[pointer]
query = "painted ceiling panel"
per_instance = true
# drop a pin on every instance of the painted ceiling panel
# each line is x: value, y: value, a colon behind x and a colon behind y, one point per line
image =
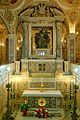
x: 72, y: 1
x: 8, y: 1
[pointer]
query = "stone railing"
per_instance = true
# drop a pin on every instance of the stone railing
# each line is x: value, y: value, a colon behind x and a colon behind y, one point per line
x: 5, y: 75
x: 6, y: 69
x: 75, y: 70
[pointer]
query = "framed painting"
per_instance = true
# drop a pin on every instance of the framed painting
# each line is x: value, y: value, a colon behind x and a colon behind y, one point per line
x: 41, y: 40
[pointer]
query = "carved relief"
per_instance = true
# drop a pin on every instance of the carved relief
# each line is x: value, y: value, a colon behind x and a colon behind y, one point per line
x: 72, y: 50
x: 11, y: 51
x: 41, y: 39
x: 59, y: 66
x: 8, y: 16
x: 43, y: 67
x: 9, y: 19
x: 42, y: 11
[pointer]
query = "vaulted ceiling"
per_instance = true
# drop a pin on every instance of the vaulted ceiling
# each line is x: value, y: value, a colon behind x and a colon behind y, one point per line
x: 62, y: 3
x: 70, y: 8
x: 11, y: 9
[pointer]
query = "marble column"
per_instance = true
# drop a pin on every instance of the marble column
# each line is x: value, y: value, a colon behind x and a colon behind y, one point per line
x: 12, y: 48
x: 71, y: 47
x: 58, y: 41
x: 25, y: 41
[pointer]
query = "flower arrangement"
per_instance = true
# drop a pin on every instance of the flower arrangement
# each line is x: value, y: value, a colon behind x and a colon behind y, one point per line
x: 24, y: 107
x: 42, y: 112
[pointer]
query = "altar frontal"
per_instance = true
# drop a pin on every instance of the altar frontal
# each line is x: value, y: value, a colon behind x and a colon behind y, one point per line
x: 47, y: 98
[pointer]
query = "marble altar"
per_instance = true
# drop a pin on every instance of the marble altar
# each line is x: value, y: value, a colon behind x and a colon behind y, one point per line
x: 49, y: 98
x: 45, y: 93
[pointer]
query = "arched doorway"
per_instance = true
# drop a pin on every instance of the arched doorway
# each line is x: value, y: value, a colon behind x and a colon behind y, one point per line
x: 77, y: 43
x: 3, y: 48
x: 19, y: 42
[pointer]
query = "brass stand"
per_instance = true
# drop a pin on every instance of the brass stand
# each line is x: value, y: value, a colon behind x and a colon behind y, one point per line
x: 74, y: 115
x: 7, y: 115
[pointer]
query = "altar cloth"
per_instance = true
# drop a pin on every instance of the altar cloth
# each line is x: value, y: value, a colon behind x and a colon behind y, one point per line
x: 45, y: 93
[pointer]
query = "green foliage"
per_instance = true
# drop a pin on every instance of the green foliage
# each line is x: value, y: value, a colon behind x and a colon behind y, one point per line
x: 24, y: 106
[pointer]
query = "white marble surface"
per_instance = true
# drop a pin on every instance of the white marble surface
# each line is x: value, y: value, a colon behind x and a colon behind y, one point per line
x: 51, y: 93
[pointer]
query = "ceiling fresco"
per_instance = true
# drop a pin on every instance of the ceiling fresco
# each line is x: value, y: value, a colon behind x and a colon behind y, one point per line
x: 71, y: 2
x: 8, y: 2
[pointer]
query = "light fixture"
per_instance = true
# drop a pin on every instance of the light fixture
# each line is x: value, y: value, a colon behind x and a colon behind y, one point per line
x: 8, y: 68
x: 7, y: 115
x: 42, y: 53
x: 2, y: 44
x: 76, y: 70
x: 17, y: 48
x: 77, y: 33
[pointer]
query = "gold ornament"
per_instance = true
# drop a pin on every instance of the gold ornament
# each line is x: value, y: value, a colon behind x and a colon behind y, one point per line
x: 41, y: 102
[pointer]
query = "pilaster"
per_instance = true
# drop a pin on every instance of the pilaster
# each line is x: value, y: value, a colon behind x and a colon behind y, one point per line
x: 58, y: 41
x: 71, y: 47
x: 12, y: 47
x: 25, y: 41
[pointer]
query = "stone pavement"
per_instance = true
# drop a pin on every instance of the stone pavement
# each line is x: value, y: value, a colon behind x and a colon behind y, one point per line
x: 20, y: 117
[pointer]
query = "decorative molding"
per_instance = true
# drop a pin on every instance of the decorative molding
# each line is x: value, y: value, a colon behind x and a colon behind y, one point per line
x: 71, y: 47
x: 41, y: 10
x: 52, y: 39
x: 32, y: 65
x: 12, y: 52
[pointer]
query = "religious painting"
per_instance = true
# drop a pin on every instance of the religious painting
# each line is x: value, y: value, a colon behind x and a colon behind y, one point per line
x: 42, y: 39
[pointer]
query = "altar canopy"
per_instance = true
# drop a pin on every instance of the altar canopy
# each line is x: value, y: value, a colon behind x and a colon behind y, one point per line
x: 45, y: 93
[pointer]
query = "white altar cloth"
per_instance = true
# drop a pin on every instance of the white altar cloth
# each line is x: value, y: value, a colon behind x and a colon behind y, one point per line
x: 45, y: 93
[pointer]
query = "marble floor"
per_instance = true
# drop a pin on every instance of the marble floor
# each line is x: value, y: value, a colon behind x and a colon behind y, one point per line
x: 20, y: 117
